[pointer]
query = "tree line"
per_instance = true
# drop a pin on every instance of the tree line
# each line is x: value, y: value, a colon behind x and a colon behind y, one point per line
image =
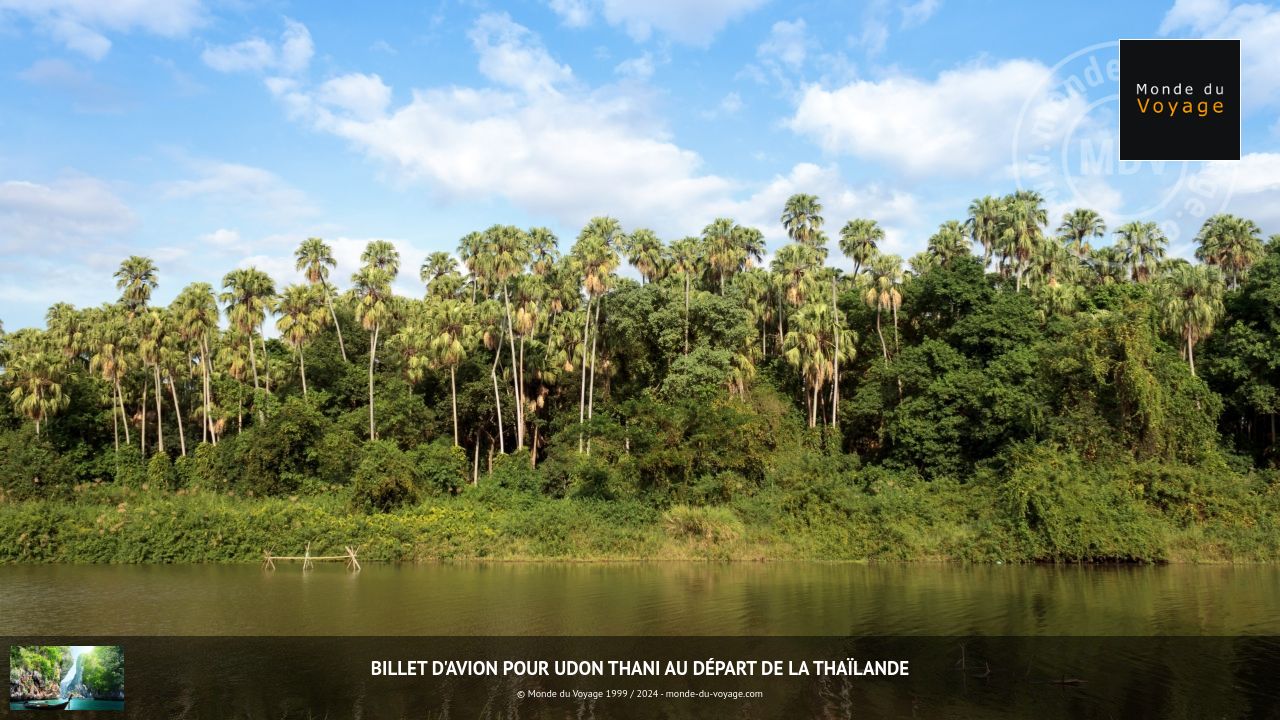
x: 521, y: 343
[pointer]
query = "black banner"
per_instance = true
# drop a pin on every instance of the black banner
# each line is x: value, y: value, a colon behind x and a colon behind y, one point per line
x: 694, y: 677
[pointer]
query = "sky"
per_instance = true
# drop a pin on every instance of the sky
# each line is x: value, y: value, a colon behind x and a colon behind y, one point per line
x: 214, y: 134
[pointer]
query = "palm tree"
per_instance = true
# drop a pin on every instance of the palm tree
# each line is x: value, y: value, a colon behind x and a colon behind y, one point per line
x: 439, y: 272
x: 150, y: 347
x: 1191, y: 302
x: 301, y: 317
x: 1231, y: 243
x: 1021, y: 230
x: 795, y: 265
x: 802, y: 218
x: 372, y: 288
x: 247, y: 295
x: 984, y: 219
x: 949, y: 243
x: 1078, y: 226
x: 596, y: 256
x: 315, y: 259
x: 686, y: 261
x: 881, y: 293
x: 1143, y: 246
x: 196, y: 311
x: 452, y: 331
x: 723, y: 253
x: 34, y: 372
x: 543, y: 251
x: 111, y: 357
x: 859, y: 240
x: 645, y: 252
x: 136, y: 278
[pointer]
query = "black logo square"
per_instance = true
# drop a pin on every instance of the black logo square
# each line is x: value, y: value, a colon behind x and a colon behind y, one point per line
x: 1179, y: 99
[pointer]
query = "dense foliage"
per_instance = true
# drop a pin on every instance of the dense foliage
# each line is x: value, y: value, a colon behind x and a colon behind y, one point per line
x: 1044, y: 399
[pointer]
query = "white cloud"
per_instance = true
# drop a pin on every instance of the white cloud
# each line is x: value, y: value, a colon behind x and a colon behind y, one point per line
x: 363, y: 96
x: 537, y: 139
x: 898, y: 212
x: 961, y: 123
x: 573, y: 13
x: 81, y: 25
x: 1254, y: 186
x: 690, y: 23
x: 639, y: 68
x: 511, y: 55
x: 222, y: 238
x: 1258, y: 28
x: 255, y: 54
x: 37, y: 218
x: 237, y: 187
x: 786, y: 43
x: 919, y: 12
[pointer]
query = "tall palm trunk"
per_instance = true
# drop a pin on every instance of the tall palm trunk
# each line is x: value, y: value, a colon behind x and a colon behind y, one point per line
x: 143, y: 438
x: 266, y: 360
x: 177, y: 413
x: 208, y: 391
x: 582, y: 393
x: 328, y: 299
x: 835, y: 360
x: 115, y: 426
x: 591, y: 393
x: 515, y: 371
x: 453, y: 393
x: 159, y: 406
x: 686, y: 313
x: 302, y: 370
x: 1191, y: 356
x: 373, y: 354
x: 123, y: 417
x: 883, y: 347
x: 497, y: 396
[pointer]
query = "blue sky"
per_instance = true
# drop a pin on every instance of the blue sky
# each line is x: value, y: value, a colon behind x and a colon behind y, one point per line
x: 211, y: 134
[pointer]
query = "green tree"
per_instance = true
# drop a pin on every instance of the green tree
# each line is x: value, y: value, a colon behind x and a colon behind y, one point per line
x: 371, y: 286
x: 301, y: 315
x: 1191, y: 303
x: 315, y: 259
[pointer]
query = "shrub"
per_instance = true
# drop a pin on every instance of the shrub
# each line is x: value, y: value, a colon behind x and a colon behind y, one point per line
x: 384, y: 480
x: 30, y: 467
x: 708, y: 524
x: 440, y: 467
x: 160, y: 472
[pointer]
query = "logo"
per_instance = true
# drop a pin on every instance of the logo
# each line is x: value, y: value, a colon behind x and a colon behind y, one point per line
x: 1067, y: 147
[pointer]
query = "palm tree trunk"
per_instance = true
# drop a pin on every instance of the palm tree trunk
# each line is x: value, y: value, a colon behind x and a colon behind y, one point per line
x: 582, y: 393
x: 253, y: 363
x: 373, y: 354
x: 123, y: 417
x: 686, y: 313
x: 897, y: 346
x: 475, y: 466
x: 591, y: 393
x: 1191, y: 357
x: 266, y: 360
x: 453, y: 392
x: 115, y: 426
x: 143, y: 437
x: 497, y: 397
x: 515, y: 373
x: 302, y: 370
x: 328, y: 299
x: 177, y: 413
x: 208, y: 391
x: 835, y: 360
x: 159, y: 406
x: 883, y: 347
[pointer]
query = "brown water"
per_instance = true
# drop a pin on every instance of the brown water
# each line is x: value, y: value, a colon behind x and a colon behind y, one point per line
x: 640, y: 599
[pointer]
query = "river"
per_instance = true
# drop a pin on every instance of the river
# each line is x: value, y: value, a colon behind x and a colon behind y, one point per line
x: 983, y: 641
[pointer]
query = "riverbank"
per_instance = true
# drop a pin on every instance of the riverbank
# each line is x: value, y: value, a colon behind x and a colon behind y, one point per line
x: 1156, y: 514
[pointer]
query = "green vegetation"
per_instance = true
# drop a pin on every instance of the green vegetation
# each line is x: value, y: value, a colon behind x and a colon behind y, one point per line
x: 103, y: 671
x: 1046, y: 400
